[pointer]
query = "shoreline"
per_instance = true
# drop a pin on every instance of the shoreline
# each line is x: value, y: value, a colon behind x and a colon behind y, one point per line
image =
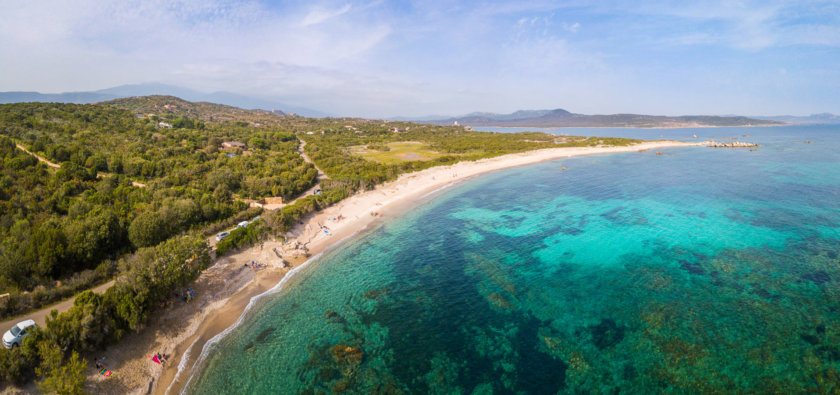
x: 635, y: 127
x: 229, y: 289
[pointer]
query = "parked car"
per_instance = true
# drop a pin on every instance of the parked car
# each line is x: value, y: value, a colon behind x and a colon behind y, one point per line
x: 242, y: 224
x: 14, y: 337
x: 317, y: 192
x: 222, y: 235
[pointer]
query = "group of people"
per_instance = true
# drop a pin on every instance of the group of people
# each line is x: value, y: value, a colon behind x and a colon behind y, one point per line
x: 189, y: 295
x: 324, y: 228
x: 161, y: 357
x: 254, y: 265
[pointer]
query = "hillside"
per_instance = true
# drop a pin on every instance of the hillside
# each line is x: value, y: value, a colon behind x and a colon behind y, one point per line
x: 563, y: 118
x: 204, y: 111
x: 813, y: 119
x: 149, y: 89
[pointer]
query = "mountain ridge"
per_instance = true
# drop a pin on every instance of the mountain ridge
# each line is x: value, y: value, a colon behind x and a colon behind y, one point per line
x: 563, y: 118
x: 158, y: 89
x: 825, y: 118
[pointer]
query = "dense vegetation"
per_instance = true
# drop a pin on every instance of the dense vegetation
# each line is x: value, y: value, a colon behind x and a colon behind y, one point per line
x: 147, y: 279
x: 63, y: 224
x: 141, y: 184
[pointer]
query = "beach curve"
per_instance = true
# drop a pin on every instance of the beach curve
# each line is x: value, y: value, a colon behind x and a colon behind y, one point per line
x: 333, y: 226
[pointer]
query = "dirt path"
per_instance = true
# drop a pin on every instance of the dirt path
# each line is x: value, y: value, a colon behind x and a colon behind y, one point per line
x: 308, y: 192
x: 39, y: 157
x: 40, y: 316
x: 57, y: 166
x: 321, y: 174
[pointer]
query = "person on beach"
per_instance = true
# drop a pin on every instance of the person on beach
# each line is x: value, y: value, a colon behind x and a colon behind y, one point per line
x: 100, y: 363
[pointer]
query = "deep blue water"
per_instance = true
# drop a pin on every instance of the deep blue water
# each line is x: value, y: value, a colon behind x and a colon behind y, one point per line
x: 698, y: 270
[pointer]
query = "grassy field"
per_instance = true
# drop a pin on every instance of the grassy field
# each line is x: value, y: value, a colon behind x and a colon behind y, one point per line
x: 397, y: 152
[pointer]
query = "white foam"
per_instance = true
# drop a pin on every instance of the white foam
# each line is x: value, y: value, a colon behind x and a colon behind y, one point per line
x: 182, y: 365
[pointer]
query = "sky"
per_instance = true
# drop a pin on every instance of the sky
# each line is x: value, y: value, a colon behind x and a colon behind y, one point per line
x: 418, y: 58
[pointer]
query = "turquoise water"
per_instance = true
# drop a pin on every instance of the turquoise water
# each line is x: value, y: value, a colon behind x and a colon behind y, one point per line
x: 698, y: 270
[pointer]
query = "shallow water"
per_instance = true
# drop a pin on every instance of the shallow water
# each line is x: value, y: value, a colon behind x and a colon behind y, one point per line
x: 698, y: 270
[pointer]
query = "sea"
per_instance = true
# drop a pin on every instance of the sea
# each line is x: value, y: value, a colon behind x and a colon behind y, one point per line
x: 683, y: 270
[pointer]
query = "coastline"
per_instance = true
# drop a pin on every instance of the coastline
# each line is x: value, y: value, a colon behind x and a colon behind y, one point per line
x: 227, y: 288
x: 680, y: 126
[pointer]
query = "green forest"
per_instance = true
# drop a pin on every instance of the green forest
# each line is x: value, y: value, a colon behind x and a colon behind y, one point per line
x: 137, y: 185
x: 124, y: 183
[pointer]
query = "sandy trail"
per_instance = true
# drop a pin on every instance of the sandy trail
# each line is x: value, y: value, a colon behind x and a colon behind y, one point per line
x: 277, y: 203
x: 57, y: 166
x: 225, y: 289
x: 39, y: 157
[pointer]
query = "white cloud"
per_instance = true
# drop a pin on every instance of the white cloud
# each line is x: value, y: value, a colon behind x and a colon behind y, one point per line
x: 382, y: 58
x: 318, y: 15
x: 154, y: 37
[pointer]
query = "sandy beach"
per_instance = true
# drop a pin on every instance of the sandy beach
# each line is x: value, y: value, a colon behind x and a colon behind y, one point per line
x: 223, y: 291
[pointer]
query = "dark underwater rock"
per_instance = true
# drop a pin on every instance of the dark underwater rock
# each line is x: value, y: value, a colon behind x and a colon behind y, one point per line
x: 763, y: 293
x: 693, y: 268
x: 264, y: 335
x: 606, y: 334
x: 346, y: 354
x: 810, y: 339
x: 625, y: 217
x: 818, y: 277
x: 828, y: 353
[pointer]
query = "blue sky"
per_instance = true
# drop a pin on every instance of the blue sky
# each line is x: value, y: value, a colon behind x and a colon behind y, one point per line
x: 414, y: 58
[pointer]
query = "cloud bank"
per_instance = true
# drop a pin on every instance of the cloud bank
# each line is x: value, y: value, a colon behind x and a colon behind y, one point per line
x: 380, y: 58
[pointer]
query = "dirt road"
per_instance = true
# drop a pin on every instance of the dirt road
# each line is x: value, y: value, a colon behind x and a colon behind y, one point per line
x: 40, y: 316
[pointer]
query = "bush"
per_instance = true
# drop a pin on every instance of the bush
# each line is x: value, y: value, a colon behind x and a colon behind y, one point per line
x: 13, y: 367
x: 60, y: 377
x: 379, y: 147
x: 17, y: 366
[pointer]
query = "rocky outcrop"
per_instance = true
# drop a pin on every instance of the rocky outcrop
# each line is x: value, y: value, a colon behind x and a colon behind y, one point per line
x: 734, y: 144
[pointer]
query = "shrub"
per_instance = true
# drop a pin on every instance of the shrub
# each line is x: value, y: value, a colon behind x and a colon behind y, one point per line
x: 59, y: 376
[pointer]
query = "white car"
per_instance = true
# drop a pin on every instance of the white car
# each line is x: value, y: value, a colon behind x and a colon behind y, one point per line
x: 242, y: 224
x: 14, y: 337
x: 222, y: 235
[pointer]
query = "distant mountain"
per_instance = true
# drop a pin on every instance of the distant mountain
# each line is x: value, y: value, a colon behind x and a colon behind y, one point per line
x: 69, y: 97
x: 814, y: 119
x: 563, y: 118
x: 150, y: 89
